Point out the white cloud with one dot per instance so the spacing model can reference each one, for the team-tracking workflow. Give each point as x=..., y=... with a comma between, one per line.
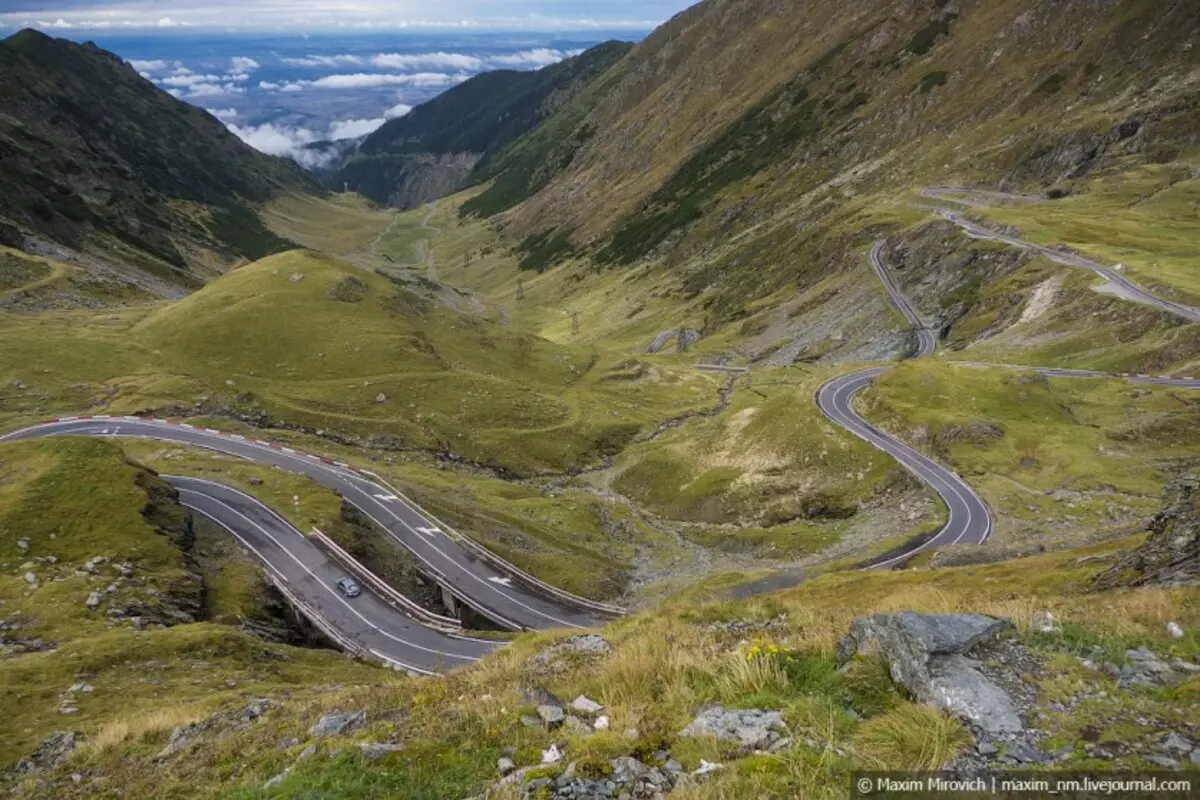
x=325, y=61
x=188, y=80
x=281, y=141
x=354, y=128
x=149, y=66
x=224, y=114
x=439, y=59
x=397, y=111
x=213, y=90
x=243, y=64
x=362, y=80
x=166, y=22
x=539, y=57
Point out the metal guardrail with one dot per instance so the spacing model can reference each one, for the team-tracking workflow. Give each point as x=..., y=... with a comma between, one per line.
x=382, y=588
x=500, y=563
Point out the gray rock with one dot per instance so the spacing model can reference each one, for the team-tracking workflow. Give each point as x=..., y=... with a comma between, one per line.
x=278, y=779
x=958, y=687
x=552, y=715
x=626, y=769
x=1176, y=743
x=31, y=579
x=925, y=654
x=673, y=766
x=583, y=705
x=1044, y=622
x=921, y=634
x=23, y=545
x=94, y=599
x=307, y=753
x=374, y=751
x=52, y=750
x=986, y=749
x=561, y=656
x=1163, y=761
x=751, y=729
x=335, y=724
x=577, y=726
x=1195, y=756
x=530, y=721
x=505, y=765
x=288, y=743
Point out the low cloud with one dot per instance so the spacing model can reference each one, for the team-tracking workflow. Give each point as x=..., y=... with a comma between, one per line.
x=243, y=64
x=427, y=60
x=354, y=128
x=539, y=57
x=149, y=66
x=292, y=142
x=362, y=80
x=224, y=114
x=527, y=59
x=282, y=141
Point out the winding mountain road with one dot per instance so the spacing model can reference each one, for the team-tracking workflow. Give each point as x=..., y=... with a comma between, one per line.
x=483, y=582
x=369, y=623
x=968, y=519
x=1119, y=284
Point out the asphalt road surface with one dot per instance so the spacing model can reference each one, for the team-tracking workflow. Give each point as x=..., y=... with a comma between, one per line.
x=926, y=340
x=496, y=594
x=968, y=520
x=366, y=620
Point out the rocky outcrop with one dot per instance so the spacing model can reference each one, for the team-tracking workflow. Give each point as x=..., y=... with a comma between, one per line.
x=750, y=729
x=408, y=181
x=568, y=653
x=926, y=655
x=1171, y=556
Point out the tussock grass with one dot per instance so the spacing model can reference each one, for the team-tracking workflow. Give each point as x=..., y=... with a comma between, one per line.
x=911, y=737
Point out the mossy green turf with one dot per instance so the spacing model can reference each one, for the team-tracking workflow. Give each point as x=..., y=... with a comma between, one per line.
x=664, y=667
x=267, y=339
x=1104, y=443
x=1147, y=219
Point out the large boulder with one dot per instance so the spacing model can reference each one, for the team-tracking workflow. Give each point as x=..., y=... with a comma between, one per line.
x=927, y=654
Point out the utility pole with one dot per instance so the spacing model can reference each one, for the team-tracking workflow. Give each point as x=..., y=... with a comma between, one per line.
x=520, y=289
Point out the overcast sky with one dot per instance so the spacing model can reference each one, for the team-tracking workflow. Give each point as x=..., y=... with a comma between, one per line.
x=317, y=15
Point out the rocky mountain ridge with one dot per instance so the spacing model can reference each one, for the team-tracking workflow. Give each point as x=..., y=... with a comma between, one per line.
x=96, y=159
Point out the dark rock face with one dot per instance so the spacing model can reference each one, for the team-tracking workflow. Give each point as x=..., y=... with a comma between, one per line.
x=90, y=147
x=1171, y=557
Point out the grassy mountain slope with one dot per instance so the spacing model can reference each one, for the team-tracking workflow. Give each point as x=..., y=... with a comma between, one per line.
x=97, y=159
x=740, y=118
x=443, y=144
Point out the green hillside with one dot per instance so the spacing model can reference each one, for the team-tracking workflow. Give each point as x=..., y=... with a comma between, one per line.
x=601, y=359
